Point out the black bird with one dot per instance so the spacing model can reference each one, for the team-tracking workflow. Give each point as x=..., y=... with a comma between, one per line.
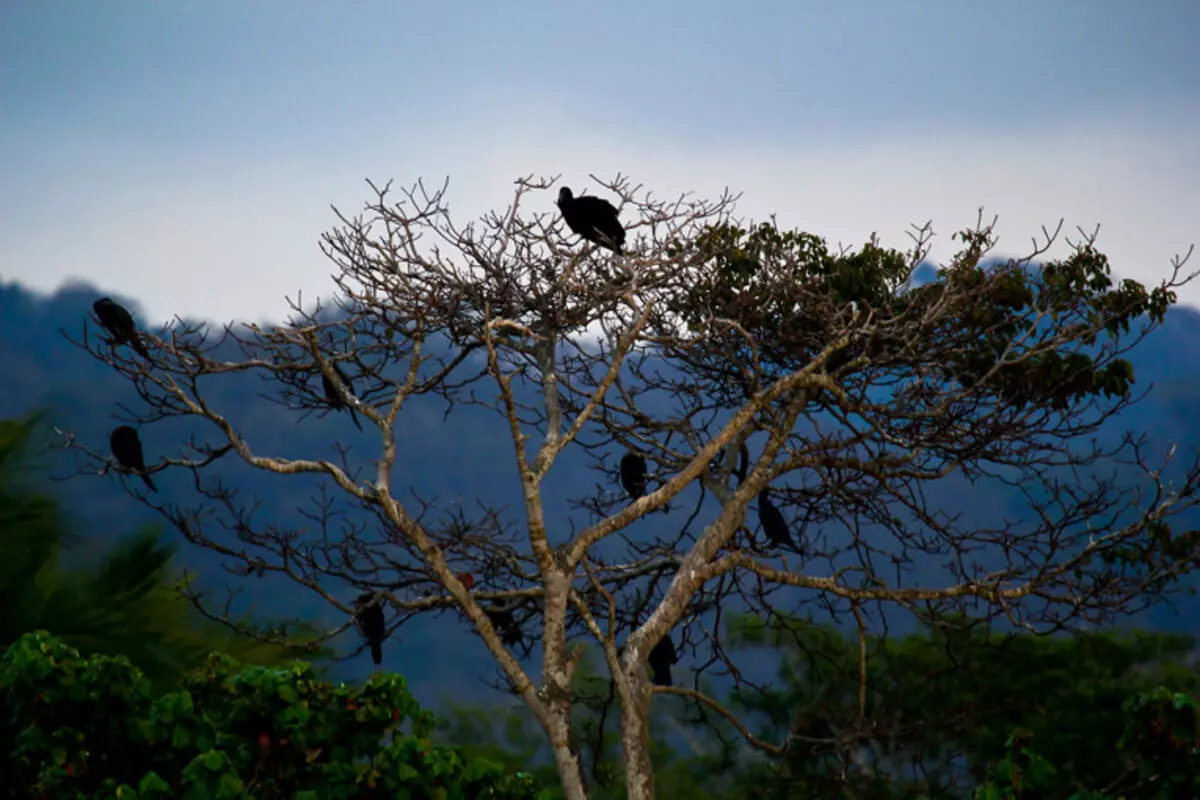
x=334, y=399
x=117, y=320
x=633, y=475
x=593, y=218
x=662, y=657
x=773, y=523
x=127, y=449
x=505, y=625
x=368, y=617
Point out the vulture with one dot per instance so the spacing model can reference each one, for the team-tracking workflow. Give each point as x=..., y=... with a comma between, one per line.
x=593, y=218
x=505, y=625
x=334, y=399
x=633, y=475
x=633, y=478
x=117, y=320
x=368, y=617
x=773, y=524
x=127, y=449
x=661, y=658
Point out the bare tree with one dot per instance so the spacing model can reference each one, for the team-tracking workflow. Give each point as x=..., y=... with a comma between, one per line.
x=732, y=359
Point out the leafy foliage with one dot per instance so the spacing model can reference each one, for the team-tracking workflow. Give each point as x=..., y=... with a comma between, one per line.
x=93, y=728
x=1159, y=754
x=948, y=701
x=782, y=287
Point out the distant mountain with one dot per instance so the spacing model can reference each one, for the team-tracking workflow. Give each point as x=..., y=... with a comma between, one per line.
x=468, y=456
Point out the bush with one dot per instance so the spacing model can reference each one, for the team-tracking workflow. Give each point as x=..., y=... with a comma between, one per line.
x=1160, y=751
x=84, y=728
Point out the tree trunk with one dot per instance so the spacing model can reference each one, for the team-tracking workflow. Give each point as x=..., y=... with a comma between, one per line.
x=635, y=740
x=567, y=761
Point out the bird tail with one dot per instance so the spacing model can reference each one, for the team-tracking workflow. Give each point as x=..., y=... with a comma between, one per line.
x=149, y=482
x=135, y=342
x=354, y=417
x=664, y=679
x=377, y=652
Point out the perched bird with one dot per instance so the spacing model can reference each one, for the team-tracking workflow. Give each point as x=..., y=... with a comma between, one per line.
x=633, y=475
x=466, y=579
x=773, y=523
x=662, y=657
x=633, y=478
x=505, y=625
x=334, y=399
x=368, y=617
x=117, y=320
x=127, y=449
x=593, y=218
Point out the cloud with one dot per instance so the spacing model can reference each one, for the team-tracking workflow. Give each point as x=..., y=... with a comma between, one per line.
x=223, y=235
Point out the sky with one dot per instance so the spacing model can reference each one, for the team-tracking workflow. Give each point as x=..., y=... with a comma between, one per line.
x=187, y=153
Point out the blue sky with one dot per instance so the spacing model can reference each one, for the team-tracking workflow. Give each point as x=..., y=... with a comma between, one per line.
x=186, y=153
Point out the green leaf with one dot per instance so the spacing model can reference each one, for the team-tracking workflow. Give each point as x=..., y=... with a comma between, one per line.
x=151, y=785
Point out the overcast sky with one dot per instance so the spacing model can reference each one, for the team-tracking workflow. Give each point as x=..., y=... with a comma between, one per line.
x=186, y=153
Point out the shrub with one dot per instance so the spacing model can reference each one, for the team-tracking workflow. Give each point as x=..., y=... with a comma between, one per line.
x=85, y=728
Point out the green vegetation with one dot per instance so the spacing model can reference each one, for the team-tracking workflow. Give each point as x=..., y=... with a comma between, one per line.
x=92, y=728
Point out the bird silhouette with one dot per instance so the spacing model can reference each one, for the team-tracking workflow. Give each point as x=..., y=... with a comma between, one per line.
x=117, y=320
x=505, y=625
x=633, y=475
x=368, y=617
x=633, y=478
x=127, y=449
x=773, y=524
x=661, y=658
x=593, y=218
x=334, y=399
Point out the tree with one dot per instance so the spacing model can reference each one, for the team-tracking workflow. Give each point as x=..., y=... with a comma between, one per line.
x=122, y=602
x=856, y=391
x=92, y=728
